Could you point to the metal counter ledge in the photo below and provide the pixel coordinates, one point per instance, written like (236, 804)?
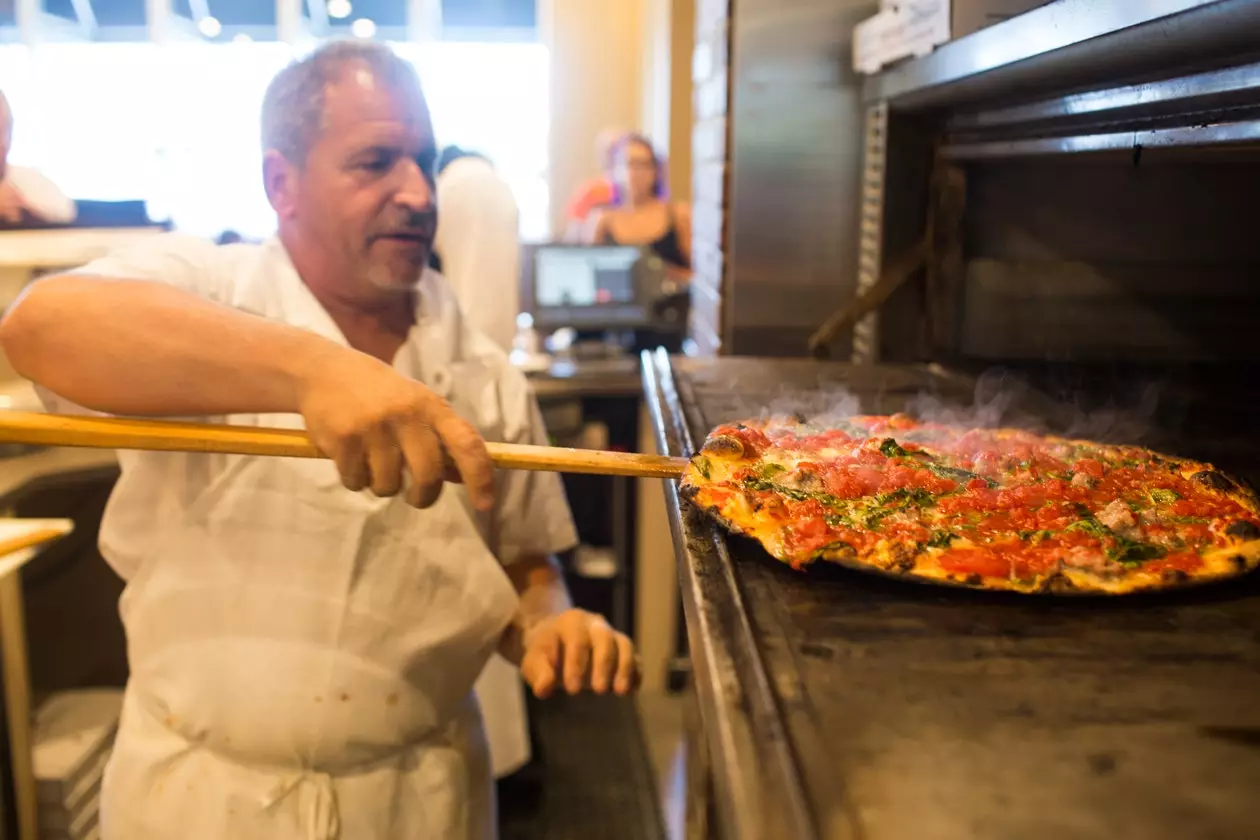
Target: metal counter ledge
(832, 704)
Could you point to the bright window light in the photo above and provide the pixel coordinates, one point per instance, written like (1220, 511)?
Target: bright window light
(185, 138)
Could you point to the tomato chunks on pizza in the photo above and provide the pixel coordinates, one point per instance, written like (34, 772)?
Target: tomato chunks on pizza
(989, 508)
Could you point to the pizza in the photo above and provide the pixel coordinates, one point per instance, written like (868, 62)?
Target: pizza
(991, 508)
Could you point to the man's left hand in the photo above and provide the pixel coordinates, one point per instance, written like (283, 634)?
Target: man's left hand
(12, 205)
(577, 649)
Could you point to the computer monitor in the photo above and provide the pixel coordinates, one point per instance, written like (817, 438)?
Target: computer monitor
(588, 286)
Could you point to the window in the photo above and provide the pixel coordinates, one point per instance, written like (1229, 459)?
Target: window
(178, 126)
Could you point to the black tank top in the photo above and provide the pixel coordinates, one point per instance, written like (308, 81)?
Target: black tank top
(666, 246)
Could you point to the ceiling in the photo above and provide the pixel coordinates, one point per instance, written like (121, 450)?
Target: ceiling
(234, 15)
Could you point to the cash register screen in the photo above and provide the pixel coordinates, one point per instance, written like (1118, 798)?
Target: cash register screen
(595, 276)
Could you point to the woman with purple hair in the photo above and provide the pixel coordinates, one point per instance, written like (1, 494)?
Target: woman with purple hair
(642, 214)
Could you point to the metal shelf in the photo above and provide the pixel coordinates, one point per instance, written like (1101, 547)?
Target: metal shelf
(1220, 107)
(1069, 44)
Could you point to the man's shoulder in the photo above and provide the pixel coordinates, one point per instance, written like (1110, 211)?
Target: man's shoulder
(179, 259)
(183, 247)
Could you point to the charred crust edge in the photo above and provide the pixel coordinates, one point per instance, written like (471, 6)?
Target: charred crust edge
(1243, 530)
(1057, 582)
(1214, 480)
(725, 446)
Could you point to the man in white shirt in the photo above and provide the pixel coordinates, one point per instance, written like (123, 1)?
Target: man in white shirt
(478, 242)
(303, 635)
(26, 195)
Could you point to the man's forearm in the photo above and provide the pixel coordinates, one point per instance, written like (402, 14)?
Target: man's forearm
(540, 584)
(136, 347)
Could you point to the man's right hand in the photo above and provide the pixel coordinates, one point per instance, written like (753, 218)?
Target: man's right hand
(373, 422)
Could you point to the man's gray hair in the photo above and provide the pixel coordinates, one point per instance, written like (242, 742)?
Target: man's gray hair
(293, 107)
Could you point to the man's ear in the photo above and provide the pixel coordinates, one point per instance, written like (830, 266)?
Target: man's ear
(281, 183)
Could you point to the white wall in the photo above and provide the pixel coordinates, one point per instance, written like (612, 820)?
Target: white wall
(597, 82)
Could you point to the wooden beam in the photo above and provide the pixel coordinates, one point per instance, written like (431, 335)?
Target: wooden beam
(165, 26)
(291, 24)
(896, 272)
(36, 26)
(424, 20)
(317, 16)
(86, 17)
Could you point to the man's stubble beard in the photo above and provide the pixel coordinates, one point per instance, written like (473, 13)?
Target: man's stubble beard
(380, 277)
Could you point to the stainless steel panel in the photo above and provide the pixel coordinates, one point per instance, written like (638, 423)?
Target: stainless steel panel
(1067, 43)
(1196, 91)
(1207, 135)
(795, 147)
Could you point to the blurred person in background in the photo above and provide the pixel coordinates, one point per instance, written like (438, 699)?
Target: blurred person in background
(595, 193)
(644, 216)
(477, 250)
(26, 195)
(477, 247)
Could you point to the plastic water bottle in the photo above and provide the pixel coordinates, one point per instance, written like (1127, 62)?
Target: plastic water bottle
(526, 346)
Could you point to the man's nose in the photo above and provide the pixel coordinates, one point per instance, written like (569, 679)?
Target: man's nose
(416, 193)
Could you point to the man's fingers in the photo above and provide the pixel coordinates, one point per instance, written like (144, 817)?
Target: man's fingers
(385, 460)
(351, 464)
(541, 661)
(604, 656)
(577, 655)
(468, 452)
(423, 453)
(627, 667)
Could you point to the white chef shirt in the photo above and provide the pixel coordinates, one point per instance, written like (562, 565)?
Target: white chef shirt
(531, 515)
(44, 198)
(478, 239)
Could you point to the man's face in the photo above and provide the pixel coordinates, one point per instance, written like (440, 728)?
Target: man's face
(365, 198)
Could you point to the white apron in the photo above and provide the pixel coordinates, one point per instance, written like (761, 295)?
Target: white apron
(303, 657)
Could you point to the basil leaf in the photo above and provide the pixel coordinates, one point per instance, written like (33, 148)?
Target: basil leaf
(1164, 497)
(1129, 551)
(1035, 536)
(958, 474)
(753, 482)
(838, 544)
(906, 497)
(703, 466)
(891, 449)
(769, 471)
(941, 539)
(1090, 526)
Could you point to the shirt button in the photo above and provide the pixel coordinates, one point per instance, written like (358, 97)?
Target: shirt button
(442, 382)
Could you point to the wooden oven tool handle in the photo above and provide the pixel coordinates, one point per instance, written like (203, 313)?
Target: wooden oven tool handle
(119, 433)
